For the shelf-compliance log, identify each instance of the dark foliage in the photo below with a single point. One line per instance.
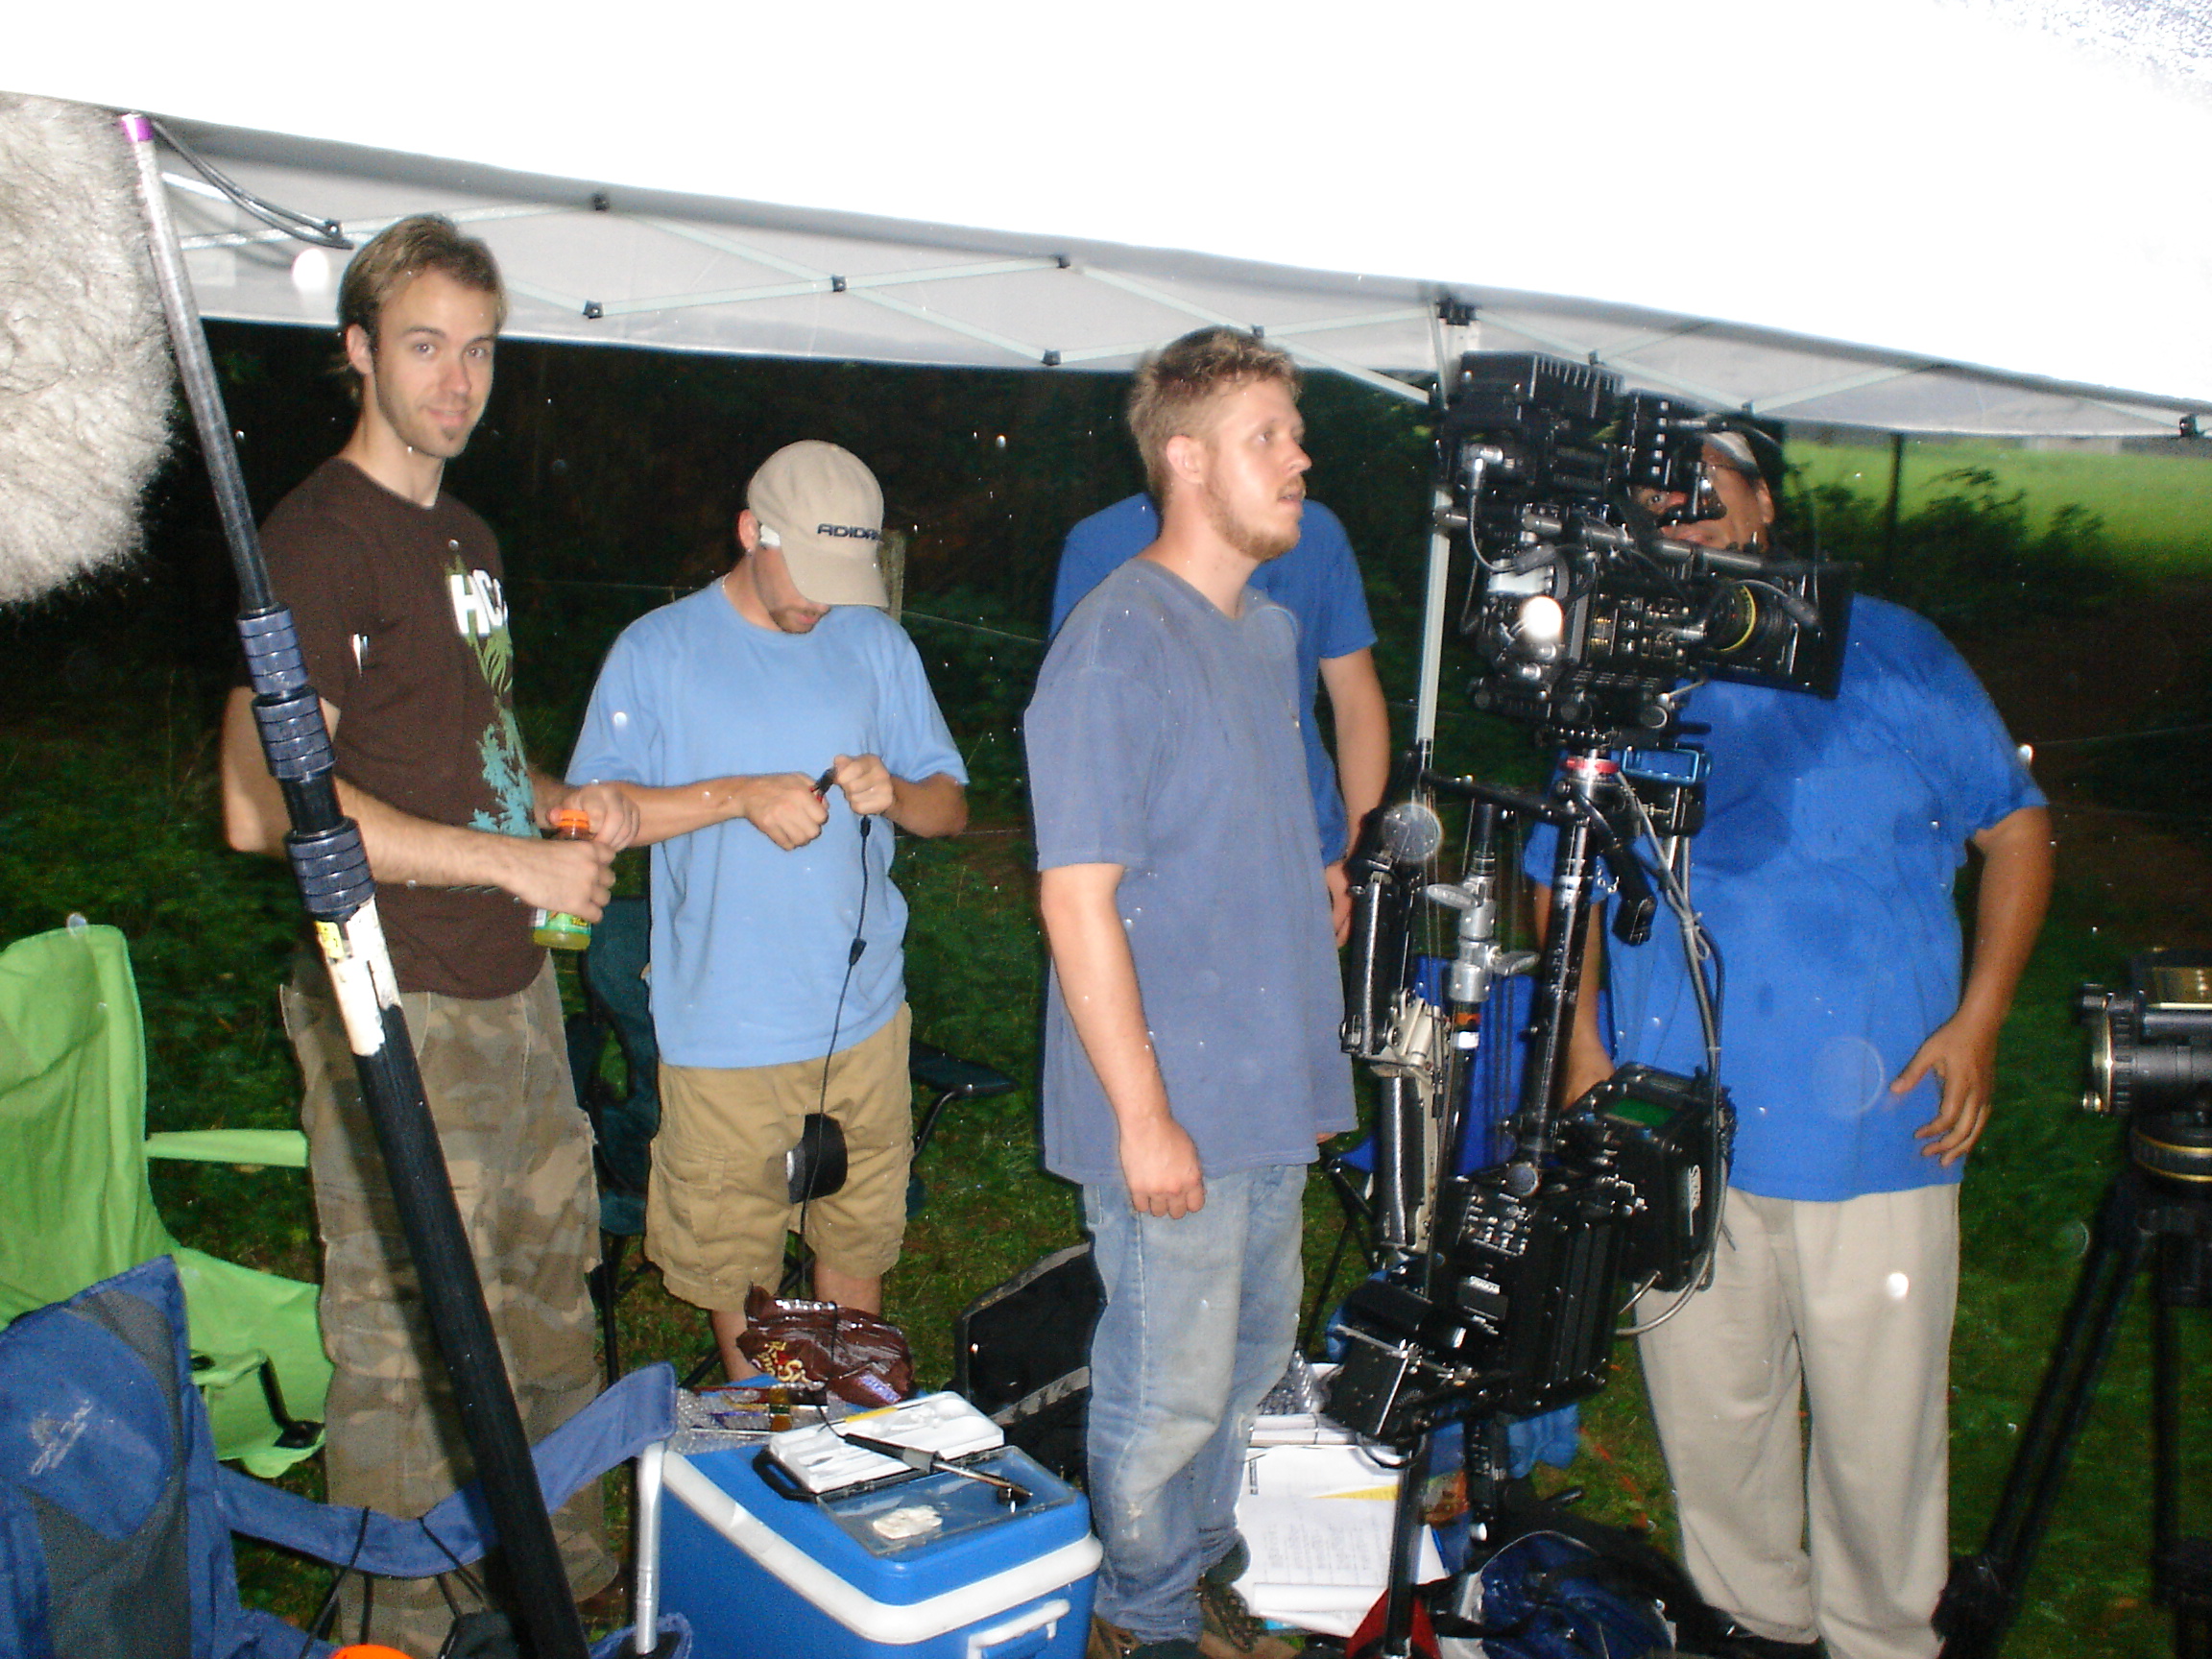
(1967, 558)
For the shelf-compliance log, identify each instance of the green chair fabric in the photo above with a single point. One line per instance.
(75, 1206)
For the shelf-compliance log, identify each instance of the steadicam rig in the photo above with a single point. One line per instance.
(1502, 1287)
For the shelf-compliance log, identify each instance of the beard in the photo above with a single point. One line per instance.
(1258, 542)
(424, 435)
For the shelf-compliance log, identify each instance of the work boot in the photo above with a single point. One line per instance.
(1112, 1641)
(1229, 1629)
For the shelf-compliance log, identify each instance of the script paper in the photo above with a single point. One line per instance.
(1317, 1520)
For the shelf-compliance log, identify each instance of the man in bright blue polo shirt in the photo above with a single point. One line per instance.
(760, 727)
(1317, 581)
(1861, 1068)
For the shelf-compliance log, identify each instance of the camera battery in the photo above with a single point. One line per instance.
(1555, 1255)
(1668, 1137)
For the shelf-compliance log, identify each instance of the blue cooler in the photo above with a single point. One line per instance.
(933, 1567)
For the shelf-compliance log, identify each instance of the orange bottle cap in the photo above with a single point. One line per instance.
(571, 818)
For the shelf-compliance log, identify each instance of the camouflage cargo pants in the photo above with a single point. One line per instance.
(520, 1154)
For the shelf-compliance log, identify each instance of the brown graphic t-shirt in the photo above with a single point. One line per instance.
(403, 624)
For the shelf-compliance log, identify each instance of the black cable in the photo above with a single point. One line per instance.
(330, 1606)
(322, 233)
(853, 955)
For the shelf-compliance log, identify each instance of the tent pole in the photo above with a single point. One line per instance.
(1444, 346)
(332, 868)
(1890, 508)
(1433, 621)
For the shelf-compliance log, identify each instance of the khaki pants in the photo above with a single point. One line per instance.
(1847, 1305)
(520, 1155)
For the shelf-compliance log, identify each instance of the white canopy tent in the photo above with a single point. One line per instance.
(1905, 214)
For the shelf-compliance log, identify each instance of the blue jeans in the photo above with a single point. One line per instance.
(1200, 1318)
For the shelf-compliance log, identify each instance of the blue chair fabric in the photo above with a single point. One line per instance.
(116, 1519)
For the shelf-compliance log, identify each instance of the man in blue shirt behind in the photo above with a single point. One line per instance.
(1317, 581)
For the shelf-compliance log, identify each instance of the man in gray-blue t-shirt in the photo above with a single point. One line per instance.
(1190, 1054)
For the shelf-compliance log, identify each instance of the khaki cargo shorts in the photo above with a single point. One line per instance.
(718, 1210)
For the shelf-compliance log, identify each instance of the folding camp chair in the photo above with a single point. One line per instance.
(75, 1206)
(626, 1114)
(116, 1522)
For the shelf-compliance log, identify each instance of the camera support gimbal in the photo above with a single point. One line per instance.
(1588, 796)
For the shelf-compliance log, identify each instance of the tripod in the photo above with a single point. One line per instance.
(2145, 1218)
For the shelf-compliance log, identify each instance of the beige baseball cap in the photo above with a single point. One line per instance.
(822, 506)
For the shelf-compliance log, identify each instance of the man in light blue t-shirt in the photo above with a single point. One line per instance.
(760, 727)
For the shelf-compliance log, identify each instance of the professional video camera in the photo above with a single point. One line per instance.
(1584, 610)
(2151, 1061)
(1500, 1289)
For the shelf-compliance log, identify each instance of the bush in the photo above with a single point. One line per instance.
(1967, 560)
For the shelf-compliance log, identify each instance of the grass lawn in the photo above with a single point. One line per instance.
(108, 808)
(2156, 509)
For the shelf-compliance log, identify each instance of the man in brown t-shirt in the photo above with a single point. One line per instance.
(395, 589)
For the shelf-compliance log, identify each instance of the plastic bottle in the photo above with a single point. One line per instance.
(558, 931)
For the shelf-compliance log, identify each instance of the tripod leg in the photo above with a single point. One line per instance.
(1397, 1639)
(1984, 1593)
(2165, 1442)
(2180, 1568)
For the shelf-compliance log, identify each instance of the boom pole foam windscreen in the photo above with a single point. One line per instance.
(85, 384)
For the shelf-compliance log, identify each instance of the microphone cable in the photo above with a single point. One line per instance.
(853, 954)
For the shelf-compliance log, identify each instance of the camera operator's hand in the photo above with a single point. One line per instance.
(1963, 1057)
(1159, 1163)
(1339, 901)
